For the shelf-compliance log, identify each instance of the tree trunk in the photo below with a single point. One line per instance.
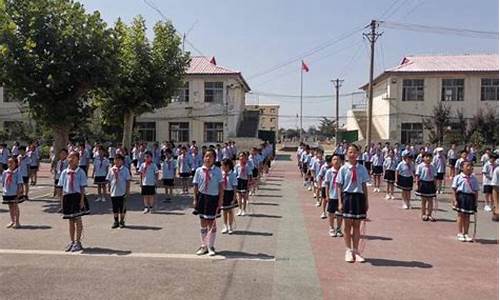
(61, 138)
(128, 124)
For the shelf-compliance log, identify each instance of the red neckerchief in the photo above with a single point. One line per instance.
(428, 166)
(335, 177)
(467, 180)
(242, 168)
(116, 172)
(354, 176)
(225, 179)
(147, 164)
(8, 180)
(71, 174)
(207, 177)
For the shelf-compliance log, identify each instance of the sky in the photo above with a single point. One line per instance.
(267, 39)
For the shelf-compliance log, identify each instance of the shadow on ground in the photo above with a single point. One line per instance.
(381, 262)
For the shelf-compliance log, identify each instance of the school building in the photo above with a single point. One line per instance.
(406, 95)
(268, 117)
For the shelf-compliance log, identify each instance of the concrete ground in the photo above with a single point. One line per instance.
(280, 251)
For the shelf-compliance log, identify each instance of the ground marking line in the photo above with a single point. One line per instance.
(136, 254)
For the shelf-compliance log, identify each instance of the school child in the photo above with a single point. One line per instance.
(111, 153)
(452, 160)
(243, 173)
(229, 201)
(485, 157)
(119, 187)
(4, 157)
(426, 183)
(184, 166)
(73, 182)
(101, 167)
(34, 164)
(439, 163)
(404, 179)
(15, 149)
(320, 179)
(255, 170)
(330, 184)
(458, 163)
(494, 184)
(316, 166)
(340, 151)
(149, 175)
(367, 158)
(208, 198)
(218, 155)
(420, 157)
(310, 178)
(24, 167)
(390, 165)
(196, 159)
(168, 170)
(351, 188)
(298, 154)
(304, 161)
(61, 165)
(84, 159)
(487, 171)
(12, 183)
(465, 189)
(377, 169)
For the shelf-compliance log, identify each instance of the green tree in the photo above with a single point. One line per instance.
(148, 75)
(327, 127)
(485, 124)
(52, 53)
(438, 123)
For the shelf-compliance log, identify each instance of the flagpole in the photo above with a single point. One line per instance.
(301, 86)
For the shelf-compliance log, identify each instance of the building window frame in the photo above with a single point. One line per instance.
(182, 95)
(146, 131)
(413, 90)
(214, 92)
(452, 89)
(489, 89)
(412, 133)
(178, 132)
(213, 132)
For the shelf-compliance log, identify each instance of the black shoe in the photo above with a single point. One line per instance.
(122, 224)
(115, 225)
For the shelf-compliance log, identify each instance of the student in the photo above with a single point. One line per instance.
(196, 159)
(208, 189)
(255, 170)
(330, 184)
(404, 179)
(320, 179)
(149, 176)
(390, 165)
(367, 157)
(420, 157)
(458, 163)
(452, 160)
(351, 188)
(465, 189)
(486, 156)
(84, 159)
(426, 183)
(494, 184)
(101, 168)
(168, 170)
(73, 182)
(184, 166)
(34, 164)
(111, 153)
(24, 167)
(243, 173)
(61, 165)
(487, 171)
(304, 162)
(229, 201)
(377, 169)
(316, 167)
(12, 183)
(119, 187)
(4, 157)
(439, 163)
(15, 149)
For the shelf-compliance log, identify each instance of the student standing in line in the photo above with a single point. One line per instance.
(119, 187)
(465, 189)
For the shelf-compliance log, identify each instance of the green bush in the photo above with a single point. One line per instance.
(44, 152)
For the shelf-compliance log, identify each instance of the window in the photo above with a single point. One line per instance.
(214, 92)
(214, 132)
(182, 94)
(146, 131)
(412, 133)
(413, 90)
(273, 110)
(179, 132)
(489, 89)
(452, 90)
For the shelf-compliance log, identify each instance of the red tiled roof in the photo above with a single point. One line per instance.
(202, 65)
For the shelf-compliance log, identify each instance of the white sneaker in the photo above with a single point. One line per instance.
(211, 251)
(368, 184)
(318, 204)
(404, 206)
(146, 210)
(349, 256)
(230, 230)
(225, 230)
(323, 215)
(103, 199)
(387, 197)
(243, 213)
(239, 212)
(332, 232)
(392, 197)
(314, 195)
(309, 188)
(359, 258)
(460, 237)
(202, 250)
(467, 238)
(487, 208)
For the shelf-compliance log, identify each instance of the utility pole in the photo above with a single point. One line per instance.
(338, 83)
(372, 37)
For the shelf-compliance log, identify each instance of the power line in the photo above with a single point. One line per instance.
(305, 96)
(441, 30)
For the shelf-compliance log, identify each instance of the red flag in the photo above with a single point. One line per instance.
(305, 67)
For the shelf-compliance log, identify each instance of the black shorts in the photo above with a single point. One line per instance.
(34, 168)
(452, 162)
(378, 170)
(26, 179)
(119, 204)
(390, 176)
(100, 180)
(405, 183)
(56, 181)
(229, 201)
(148, 190)
(242, 186)
(10, 199)
(255, 173)
(466, 203)
(206, 207)
(323, 193)
(333, 206)
(185, 174)
(368, 166)
(440, 176)
(487, 189)
(71, 206)
(305, 168)
(168, 182)
(426, 189)
(354, 206)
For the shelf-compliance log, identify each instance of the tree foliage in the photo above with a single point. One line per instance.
(327, 127)
(438, 123)
(484, 127)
